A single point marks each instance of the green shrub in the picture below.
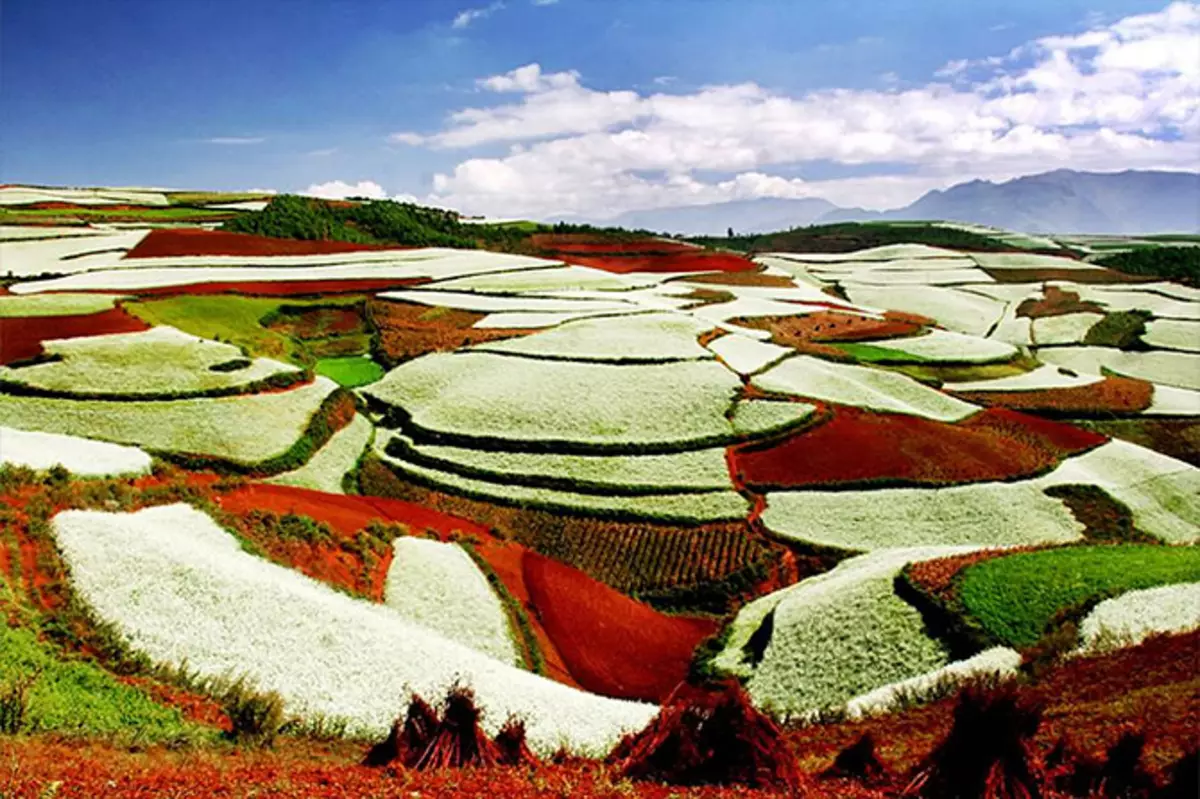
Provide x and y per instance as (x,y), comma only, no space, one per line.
(256,718)
(1171,263)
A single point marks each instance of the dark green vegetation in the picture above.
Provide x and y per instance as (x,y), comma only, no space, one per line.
(850,236)
(1181,264)
(871,353)
(1121,329)
(1179,438)
(1015,598)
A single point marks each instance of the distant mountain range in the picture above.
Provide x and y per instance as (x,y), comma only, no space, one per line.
(1063,201)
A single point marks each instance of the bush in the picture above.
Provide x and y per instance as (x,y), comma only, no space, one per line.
(1173,263)
(14,702)
(256,718)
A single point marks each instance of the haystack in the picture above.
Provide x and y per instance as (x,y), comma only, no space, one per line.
(511,743)
(458,741)
(858,761)
(408,739)
(712,737)
(988,753)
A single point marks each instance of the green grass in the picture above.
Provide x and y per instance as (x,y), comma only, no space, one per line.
(351,372)
(78,698)
(1015,598)
(233,319)
(869,353)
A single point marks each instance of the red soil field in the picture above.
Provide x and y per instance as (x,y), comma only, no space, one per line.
(345,513)
(1056,302)
(702,261)
(583,243)
(1111,395)
(859,446)
(407,330)
(172,242)
(1090,276)
(829,326)
(742,279)
(21,337)
(278,288)
(612,645)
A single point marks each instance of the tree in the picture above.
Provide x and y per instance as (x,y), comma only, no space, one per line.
(729,233)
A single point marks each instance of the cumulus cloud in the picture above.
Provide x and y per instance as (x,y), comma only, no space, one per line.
(467,16)
(1124,94)
(340,190)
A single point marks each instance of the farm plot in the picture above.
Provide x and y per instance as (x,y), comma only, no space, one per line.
(1171,334)
(954,309)
(1070,328)
(1016,597)
(1132,617)
(439,587)
(568,278)
(330,464)
(81,456)
(1180,369)
(641,338)
(195,243)
(1043,378)
(492,303)
(1135,299)
(862,387)
(21,337)
(29,195)
(409,330)
(832,637)
(906,276)
(1099,397)
(887,252)
(30,306)
(947,347)
(482,399)
(746,355)
(32,257)
(158,363)
(692,470)
(179,590)
(992,445)
(248,430)
(980,514)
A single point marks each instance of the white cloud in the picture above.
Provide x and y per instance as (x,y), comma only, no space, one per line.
(235,140)
(467,16)
(545,2)
(406,138)
(340,190)
(1120,95)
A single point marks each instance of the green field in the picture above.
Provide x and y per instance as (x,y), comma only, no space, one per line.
(237,320)
(1016,597)
(99,214)
(78,698)
(870,353)
(350,372)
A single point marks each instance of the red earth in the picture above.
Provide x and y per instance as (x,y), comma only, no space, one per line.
(995,444)
(1111,395)
(582,243)
(701,261)
(21,337)
(612,645)
(173,242)
(279,288)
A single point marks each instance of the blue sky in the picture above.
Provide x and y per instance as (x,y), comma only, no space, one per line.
(289,94)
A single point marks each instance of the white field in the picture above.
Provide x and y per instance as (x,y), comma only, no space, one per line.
(862,387)
(438,586)
(492,303)
(887,252)
(525,320)
(950,347)
(1173,334)
(560,278)
(1020,260)
(1131,618)
(746,355)
(24,195)
(161,360)
(325,470)
(1181,369)
(954,309)
(484,396)
(841,269)
(980,514)
(911,277)
(755,418)
(180,590)
(645,338)
(26,232)
(55,304)
(1126,298)
(998,661)
(81,456)
(244,205)
(247,429)
(66,255)
(1171,401)
(1068,328)
(692,470)
(1041,378)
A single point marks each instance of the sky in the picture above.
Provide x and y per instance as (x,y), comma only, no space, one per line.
(539,108)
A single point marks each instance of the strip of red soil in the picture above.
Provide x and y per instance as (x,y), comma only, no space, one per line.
(1111,395)
(702,261)
(743,279)
(175,242)
(936,576)
(408,330)
(613,645)
(1086,276)
(828,326)
(21,337)
(346,513)
(278,288)
(860,446)
(591,243)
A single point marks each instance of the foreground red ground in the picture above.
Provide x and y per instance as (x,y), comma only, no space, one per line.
(173,242)
(995,444)
(612,645)
(21,337)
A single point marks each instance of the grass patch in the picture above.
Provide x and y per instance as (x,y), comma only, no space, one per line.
(236,320)
(1015,598)
(869,353)
(76,697)
(1121,329)
(937,374)
(351,372)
